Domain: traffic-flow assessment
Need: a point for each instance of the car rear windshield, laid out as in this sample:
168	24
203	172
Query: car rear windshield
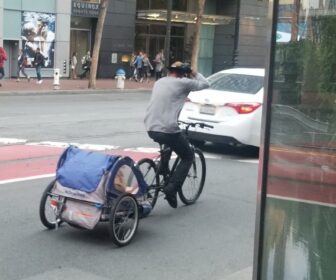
236	82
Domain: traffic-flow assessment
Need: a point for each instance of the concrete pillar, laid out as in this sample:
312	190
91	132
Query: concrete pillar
62	45
1	21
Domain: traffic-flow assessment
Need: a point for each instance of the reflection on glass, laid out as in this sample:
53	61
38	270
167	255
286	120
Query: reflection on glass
300	225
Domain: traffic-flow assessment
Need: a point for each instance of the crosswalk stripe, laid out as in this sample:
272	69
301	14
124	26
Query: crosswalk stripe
7	141
255	161
96	147
27	178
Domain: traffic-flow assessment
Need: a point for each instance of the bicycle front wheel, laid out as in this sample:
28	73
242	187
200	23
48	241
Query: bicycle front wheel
148	171
194	182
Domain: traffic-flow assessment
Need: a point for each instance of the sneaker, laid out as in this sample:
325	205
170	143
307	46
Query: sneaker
18	80
172	200
40	82
28	79
171	195
141	80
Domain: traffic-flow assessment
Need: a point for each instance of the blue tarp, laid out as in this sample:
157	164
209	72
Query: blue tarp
83	170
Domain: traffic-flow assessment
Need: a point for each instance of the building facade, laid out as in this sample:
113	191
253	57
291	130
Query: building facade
233	32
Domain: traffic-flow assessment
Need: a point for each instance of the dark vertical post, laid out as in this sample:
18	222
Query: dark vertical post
236	36
265	144
168	32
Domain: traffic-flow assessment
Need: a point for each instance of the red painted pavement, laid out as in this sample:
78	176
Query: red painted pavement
20	161
8	153
302	173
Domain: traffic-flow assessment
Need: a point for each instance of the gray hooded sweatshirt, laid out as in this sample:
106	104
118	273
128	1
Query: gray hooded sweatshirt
168	97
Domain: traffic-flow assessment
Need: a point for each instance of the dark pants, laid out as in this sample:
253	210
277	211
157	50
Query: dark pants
180	145
158	75
2	72
22	70
38	72
140	73
84	74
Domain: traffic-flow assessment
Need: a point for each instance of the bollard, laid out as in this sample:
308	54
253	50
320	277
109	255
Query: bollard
120	77
56	78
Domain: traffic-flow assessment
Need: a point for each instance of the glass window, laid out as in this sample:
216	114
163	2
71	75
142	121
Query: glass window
177	31
179	5
300	225
158	29
141	29
158	4
142	4
236	83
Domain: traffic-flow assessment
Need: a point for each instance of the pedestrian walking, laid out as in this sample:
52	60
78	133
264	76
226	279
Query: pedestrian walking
38	62
22	64
159	64
133	74
73	66
3	58
86	64
147	67
138	63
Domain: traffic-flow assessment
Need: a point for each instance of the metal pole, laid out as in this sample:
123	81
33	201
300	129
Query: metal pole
236	37
168	32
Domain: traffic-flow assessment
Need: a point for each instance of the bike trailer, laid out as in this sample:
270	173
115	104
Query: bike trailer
87	180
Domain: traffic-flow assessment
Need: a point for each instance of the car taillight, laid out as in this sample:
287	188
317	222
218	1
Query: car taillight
244	108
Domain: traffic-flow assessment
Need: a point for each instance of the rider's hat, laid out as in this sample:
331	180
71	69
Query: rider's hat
180	67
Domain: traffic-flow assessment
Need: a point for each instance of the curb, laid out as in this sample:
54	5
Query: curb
73	91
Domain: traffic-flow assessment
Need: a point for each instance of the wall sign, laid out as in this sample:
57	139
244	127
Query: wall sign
84	9
114	58
38	31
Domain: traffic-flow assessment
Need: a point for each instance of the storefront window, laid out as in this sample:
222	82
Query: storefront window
299	237
178	5
151	39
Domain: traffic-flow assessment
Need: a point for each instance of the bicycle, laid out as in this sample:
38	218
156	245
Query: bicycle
156	179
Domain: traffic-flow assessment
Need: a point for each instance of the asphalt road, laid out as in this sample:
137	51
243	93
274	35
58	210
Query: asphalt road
209	240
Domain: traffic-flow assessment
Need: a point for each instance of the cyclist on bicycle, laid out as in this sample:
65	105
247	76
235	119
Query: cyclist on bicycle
161	121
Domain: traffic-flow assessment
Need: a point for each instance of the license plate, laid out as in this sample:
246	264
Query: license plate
208	109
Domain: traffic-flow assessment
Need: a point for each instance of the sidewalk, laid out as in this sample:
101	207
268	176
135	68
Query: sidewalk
12	86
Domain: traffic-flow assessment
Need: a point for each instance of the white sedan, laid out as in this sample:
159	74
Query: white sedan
232	105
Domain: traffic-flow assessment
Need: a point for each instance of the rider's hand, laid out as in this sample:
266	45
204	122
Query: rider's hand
193	74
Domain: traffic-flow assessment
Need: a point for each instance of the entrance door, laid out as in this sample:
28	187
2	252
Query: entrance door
12	49
156	44
80	43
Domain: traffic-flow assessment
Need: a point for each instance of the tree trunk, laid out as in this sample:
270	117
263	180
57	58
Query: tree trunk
295	21
196	43
97	43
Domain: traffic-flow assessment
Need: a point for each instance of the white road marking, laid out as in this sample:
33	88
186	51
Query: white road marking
96	147
12	141
301	200
211	156
27	178
255	161
143	149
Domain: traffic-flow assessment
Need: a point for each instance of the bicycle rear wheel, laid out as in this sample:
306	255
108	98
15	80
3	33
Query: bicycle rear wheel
194	182
47	209
124	219
148	170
